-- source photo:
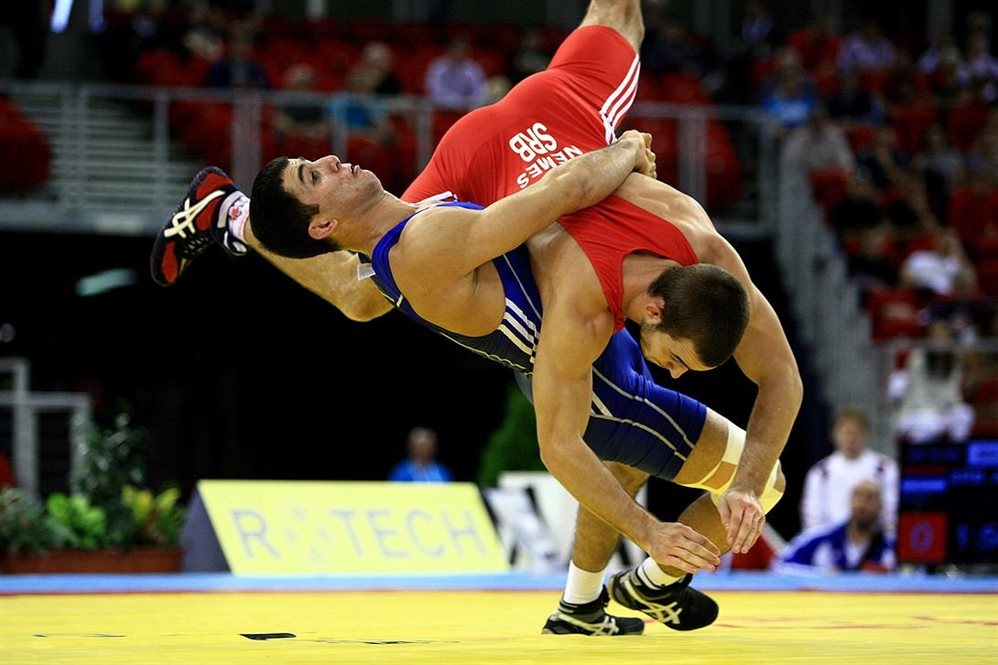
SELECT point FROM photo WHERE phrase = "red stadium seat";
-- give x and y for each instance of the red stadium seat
(910, 123)
(964, 124)
(21, 138)
(987, 275)
(973, 214)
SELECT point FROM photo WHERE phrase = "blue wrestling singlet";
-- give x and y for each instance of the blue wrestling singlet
(633, 420)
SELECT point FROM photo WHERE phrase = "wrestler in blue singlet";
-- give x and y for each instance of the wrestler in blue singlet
(633, 420)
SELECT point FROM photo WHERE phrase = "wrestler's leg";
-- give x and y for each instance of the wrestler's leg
(581, 609)
(711, 465)
(624, 16)
(595, 540)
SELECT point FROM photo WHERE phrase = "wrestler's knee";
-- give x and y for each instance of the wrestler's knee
(629, 477)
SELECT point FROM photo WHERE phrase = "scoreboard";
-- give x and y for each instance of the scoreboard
(948, 503)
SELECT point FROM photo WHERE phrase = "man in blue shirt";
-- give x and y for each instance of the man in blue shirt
(860, 544)
(421, 465)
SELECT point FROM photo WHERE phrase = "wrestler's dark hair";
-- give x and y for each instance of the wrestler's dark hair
(279, 220)
(706, 305)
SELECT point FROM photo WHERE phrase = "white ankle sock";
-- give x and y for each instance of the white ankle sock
(650, 573)
(582, 586)
(236, 208)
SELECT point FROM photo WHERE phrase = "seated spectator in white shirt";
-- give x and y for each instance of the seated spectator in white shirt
(936, 269)
(929, 391)
(857, 544)
(829, 483)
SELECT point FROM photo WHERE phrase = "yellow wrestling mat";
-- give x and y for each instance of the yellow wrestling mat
(460, 627)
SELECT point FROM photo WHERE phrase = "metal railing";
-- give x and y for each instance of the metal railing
(26, 406)
(99, 185)
(826, 303)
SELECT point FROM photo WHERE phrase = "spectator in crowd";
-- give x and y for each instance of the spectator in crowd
(850, 105)
(300, 119)
(455, 80)
(530, 57)
(858, 544)
(929, 391)
(908, 211)
(792, 100)
(979, 71)
(828, 484)
(866, 50)
(883, 161)
(859, 210)
(243, 16)
(942, 49)
(819, 144)
(378, 60)
(968, 314)
(940, 166)
(934, 270)
(421, 464)
(203, 36)
(238, 68)
(869, 264)
(817, 43)
(982, 155)
(900, 86)
(358, 110)
(944, 82)
(497, 86)
(759, 31)
(669, 47)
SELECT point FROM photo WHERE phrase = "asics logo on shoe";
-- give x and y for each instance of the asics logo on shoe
(606, 626)
(665, 613)
(182, 222)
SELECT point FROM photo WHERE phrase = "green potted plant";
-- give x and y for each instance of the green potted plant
(24, 526)
(109, 523)
(513, 446)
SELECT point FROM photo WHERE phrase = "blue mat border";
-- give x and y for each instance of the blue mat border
(216, 582)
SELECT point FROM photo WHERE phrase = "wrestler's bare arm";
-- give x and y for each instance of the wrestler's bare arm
(570, 342)
(469, 239)
(332, 277)
(765, 357)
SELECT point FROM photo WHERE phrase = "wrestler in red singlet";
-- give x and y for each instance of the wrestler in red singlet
(572, 107)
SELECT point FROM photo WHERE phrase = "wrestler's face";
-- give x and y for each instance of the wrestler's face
(336, 187)
(674, 354)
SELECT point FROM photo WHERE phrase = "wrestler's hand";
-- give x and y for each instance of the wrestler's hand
(644, 161)
(675, 545)
(742, 516)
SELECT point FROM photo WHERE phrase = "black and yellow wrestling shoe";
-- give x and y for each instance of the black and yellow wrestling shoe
(677, 606)
(590, 619)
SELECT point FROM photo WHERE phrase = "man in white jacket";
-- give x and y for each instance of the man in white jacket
(830, 482)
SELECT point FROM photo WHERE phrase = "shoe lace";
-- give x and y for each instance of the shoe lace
(182, 221)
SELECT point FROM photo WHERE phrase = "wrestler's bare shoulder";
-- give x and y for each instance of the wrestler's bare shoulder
(667, 202)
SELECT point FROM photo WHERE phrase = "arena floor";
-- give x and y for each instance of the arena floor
(223, 619)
